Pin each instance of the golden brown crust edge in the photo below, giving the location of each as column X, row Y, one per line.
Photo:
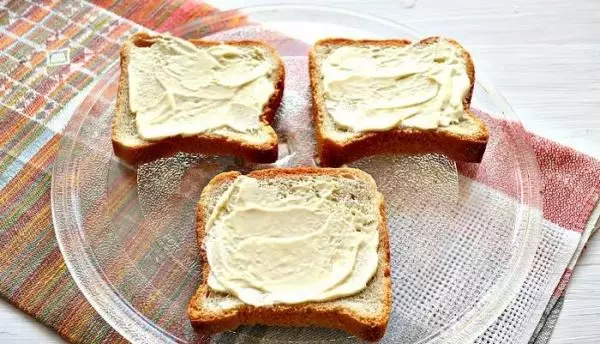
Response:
column 370, row 329
column 205, row 143
column 401, row 140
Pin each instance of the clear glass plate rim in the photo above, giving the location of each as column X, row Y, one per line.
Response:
column 224, row 15
column 146, row 329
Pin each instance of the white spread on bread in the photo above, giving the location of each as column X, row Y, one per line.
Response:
column 266, row 245
column 177, row 88
column 377, row 88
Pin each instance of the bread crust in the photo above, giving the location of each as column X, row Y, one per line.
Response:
column 203, row 143
column 399, row 140
column 299, row 315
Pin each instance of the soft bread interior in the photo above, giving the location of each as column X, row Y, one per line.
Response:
column 124, row 120
column 356, row 194
column 469, row 126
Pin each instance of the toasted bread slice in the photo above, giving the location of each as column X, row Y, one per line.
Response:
column 364, row 315
column 133, row 149
column 464, row 141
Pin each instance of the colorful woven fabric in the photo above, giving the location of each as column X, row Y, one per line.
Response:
column 51, row 52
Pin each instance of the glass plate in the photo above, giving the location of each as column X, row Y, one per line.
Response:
column 462, row 237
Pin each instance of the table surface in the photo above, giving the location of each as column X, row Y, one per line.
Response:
column 543, row 56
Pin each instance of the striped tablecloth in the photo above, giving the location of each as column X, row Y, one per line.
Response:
column 51, row 52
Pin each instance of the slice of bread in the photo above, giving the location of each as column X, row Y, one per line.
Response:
column 364, row 315
column 131, row 148
column 464, row 141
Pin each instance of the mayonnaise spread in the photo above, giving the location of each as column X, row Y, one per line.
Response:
column 177, row 88
column 289, row 244
column 375, row 88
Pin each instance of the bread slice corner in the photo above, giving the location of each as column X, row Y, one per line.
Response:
column 129, row 147
column 465, row 141
column 364, row 315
